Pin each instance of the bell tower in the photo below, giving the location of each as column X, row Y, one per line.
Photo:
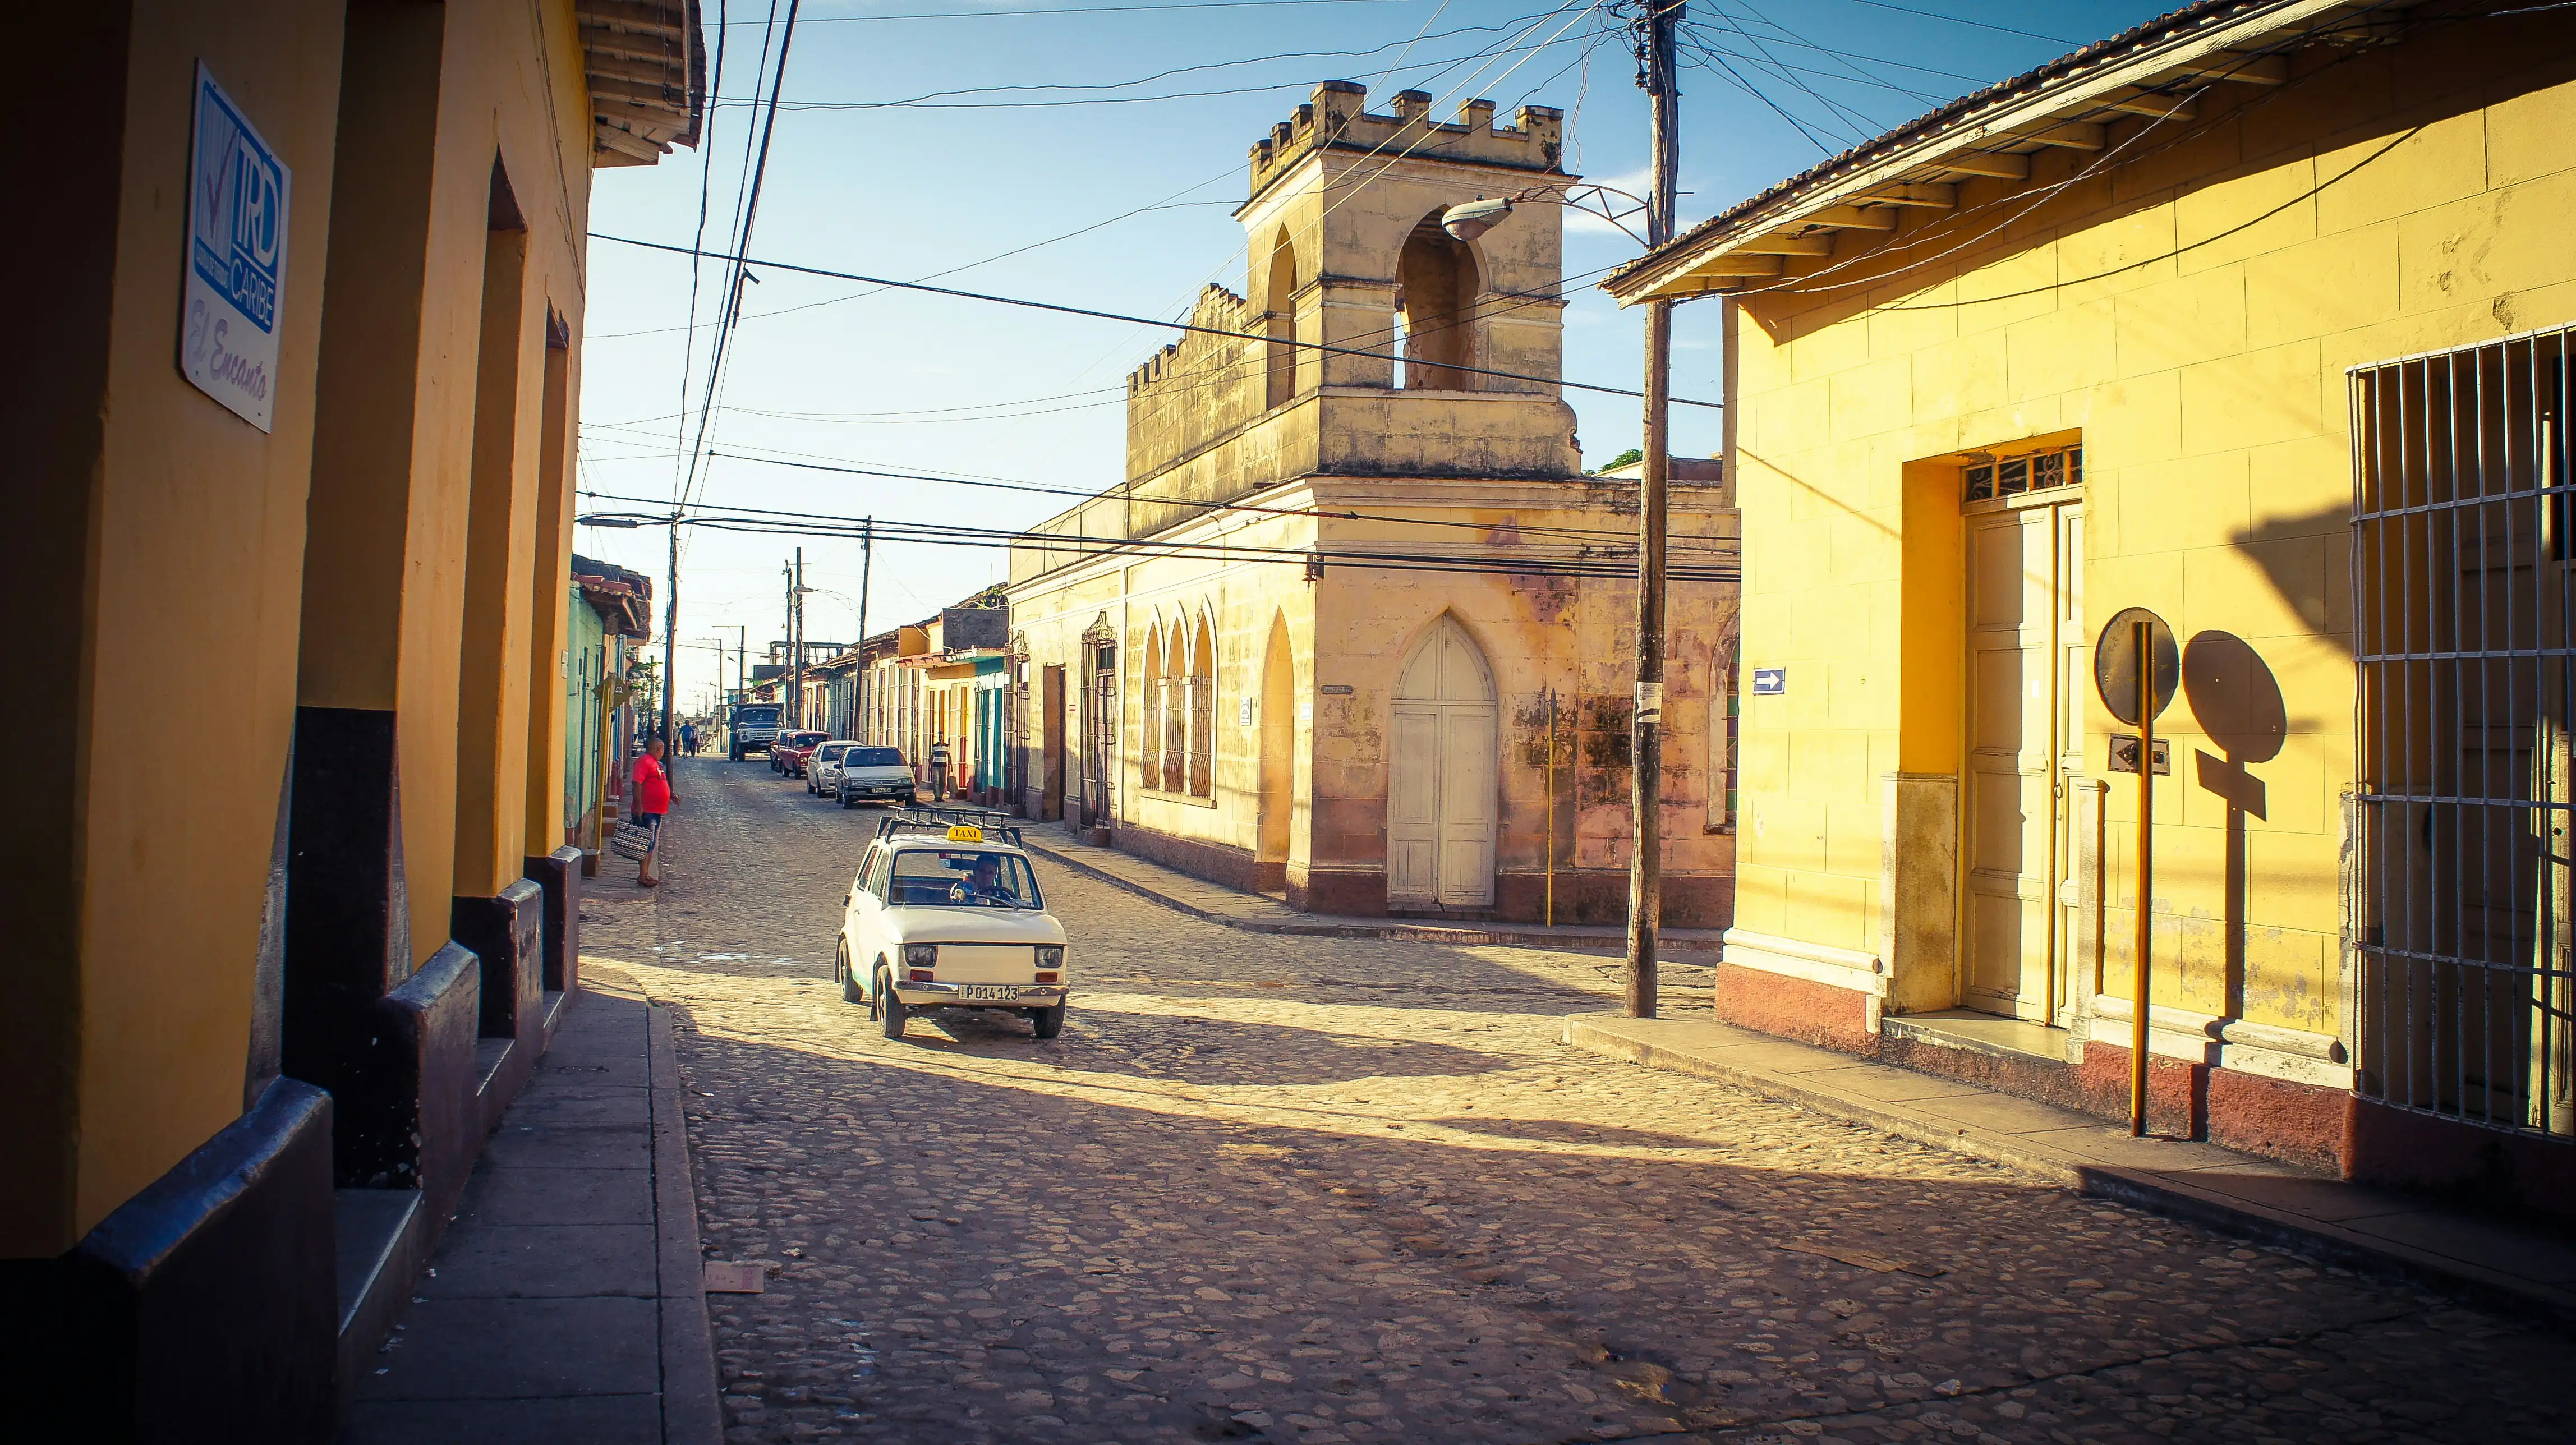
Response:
column 1447, row 350
column 1346, row 246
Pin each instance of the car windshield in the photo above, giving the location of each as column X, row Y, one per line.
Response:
column 874, row 758
column 759, row 716
column 831, row 752
column 961, row 878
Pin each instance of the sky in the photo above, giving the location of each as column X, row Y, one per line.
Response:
column 1091, row 155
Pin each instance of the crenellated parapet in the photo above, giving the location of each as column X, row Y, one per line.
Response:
column 1217, row 309
column 1338, row 118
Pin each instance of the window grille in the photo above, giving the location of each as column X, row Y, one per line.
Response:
column 1176, row 733
column 2464, row 899
column 2012, row 476
column 1202, row 735
column 1151, row 749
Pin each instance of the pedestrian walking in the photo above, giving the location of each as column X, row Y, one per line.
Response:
column 652, row 802
column 939, row 772
column 689, row 738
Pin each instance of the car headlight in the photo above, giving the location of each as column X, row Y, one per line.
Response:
column 1050, row 955
column 921, row 955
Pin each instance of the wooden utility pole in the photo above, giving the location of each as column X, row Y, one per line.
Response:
column 796, row 632
column 1657, row 69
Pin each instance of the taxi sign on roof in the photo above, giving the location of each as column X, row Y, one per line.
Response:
column 965, row 833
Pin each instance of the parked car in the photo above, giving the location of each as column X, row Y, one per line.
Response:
column 788, row 754
column 753, row 727
column 875, row 775
column 823, row 770
column 945, row 914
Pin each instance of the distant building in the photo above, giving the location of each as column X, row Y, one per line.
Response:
column 2257, row 317
column 1356, row 626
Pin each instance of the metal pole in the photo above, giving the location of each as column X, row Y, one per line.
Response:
column 2146, row 878
column 796, row 610
column 1646, row 866
column 867, row 559
column 671, row 636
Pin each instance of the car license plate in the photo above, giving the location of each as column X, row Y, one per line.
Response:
column 996, row 993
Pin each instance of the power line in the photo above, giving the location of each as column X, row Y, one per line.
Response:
column 1963, row 20
column 1145, row 79
column 1244, row 507
column 1606, row 563
column 1082, row 10
column 1066, row 310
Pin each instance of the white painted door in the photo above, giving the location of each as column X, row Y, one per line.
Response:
column 2016, row 603
column 1442, row 779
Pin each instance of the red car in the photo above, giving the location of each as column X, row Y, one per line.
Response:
column 789, row 754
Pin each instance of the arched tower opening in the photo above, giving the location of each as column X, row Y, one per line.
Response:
column 1435, row 309
column 1281, row 304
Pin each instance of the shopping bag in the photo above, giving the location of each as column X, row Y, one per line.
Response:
column 631, row 841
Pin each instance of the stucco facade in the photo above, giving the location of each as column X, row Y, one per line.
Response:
column 2158, row 318
column 286, row 874
column 1357, row 628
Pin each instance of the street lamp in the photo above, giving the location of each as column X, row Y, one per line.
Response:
column 1470, row 219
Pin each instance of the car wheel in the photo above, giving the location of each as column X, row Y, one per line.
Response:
column 848, row 801
column 891, row 1011
column 1047, row 1022
column 849, row 980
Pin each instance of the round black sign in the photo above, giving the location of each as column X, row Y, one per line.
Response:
column 2115, row 663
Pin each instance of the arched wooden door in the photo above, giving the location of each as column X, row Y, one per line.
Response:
column 1442, row 783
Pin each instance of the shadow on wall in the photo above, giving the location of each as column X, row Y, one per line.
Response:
column 2237, row 702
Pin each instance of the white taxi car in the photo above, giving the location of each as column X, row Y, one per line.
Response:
column 947, row 914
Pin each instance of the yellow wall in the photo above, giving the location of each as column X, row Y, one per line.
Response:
column 2189, row 316
column 446, row 89
column 128, row 995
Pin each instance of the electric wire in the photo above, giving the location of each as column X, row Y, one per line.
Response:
column 1586, row 534
column 1068, row 310
column 1582, row 562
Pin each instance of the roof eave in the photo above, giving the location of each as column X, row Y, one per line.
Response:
column 1725, row 252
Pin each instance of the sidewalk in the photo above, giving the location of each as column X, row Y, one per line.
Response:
column 1258, row 913
column 2520, row 1267
column 565, row 1302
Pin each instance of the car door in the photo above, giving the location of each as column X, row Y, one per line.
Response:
column 854, row 915
column 869, row 936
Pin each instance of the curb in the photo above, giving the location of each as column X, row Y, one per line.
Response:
column 1409, row 932
column 2155, row 1192
column 690, row 1413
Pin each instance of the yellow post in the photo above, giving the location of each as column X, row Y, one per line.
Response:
column 2146, row 876
column 1551, row 807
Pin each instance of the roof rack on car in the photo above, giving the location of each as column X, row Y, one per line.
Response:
column 923, row 818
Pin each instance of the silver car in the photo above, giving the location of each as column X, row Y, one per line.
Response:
column 823, row 770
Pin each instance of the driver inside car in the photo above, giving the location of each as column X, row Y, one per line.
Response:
column 986, row 881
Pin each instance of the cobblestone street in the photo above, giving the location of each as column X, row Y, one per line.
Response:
column 1294, row 1189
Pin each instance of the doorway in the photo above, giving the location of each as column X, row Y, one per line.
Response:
column 1442, row 777
column 2026, row 672
column 1278, row 744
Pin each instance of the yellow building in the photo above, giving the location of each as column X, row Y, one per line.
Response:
column 292, row 428
column 2255, row 317
column 1356, row 628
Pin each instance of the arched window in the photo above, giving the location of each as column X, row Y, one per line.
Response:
column 1152, row 673
column 1202, row 776
column 1435, row 310
column 1176, row 711
column 1281, row 303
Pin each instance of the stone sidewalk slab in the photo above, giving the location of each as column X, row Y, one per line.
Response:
column 2503, row 1263
column 564, row 1303
column 1259, row 913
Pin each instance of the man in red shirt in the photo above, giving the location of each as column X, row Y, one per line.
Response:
column 652, row 801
